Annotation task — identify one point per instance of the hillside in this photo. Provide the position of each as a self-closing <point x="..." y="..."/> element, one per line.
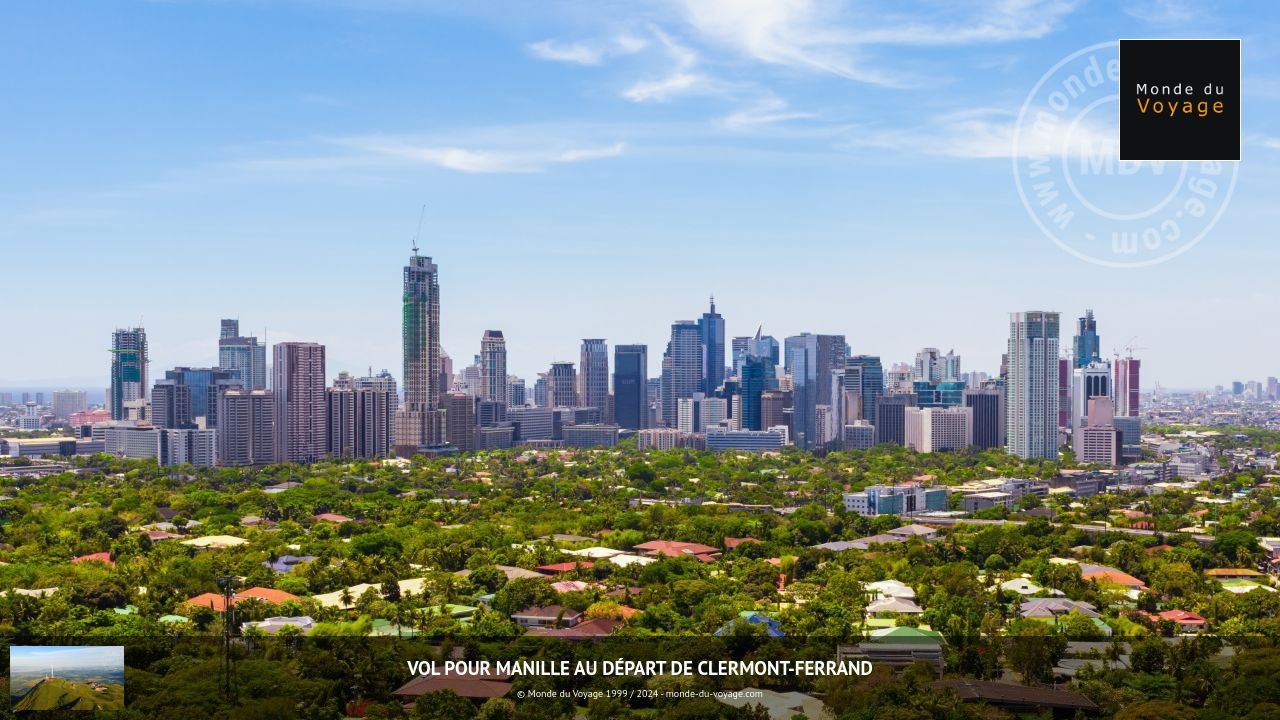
<point x="60" y="694"/>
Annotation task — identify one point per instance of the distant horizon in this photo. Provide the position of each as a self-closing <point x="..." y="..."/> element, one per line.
<point x="64" y="657"/>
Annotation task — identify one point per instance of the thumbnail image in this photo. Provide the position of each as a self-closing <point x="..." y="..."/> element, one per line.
<point x="59" y="677"/>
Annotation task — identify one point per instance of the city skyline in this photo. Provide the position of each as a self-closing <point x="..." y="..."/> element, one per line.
<point x="655" y="150"/>
<point x="332" y="370"/>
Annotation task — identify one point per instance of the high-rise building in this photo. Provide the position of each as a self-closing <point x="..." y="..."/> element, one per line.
<point x="753" y="382"/>
<point x="949" y="366"/>
<point x="340" y="418"/>
<point x="869" y="377"/>
<point x="243" y="355"/>
<point x="171" y="405"/>
<point x="1086" y="347"/>
<point x="711" y="338"/>
<point x="928" y="368"/>
<point x="1128" y="386"/>
<point x="187" y="446"/>
<point x="298" y="379"/>
<point x="562" y="382"/>
<point x="593" y="375"/>
<point x="1087" y="382"/>
<point x="988" y="406"/>
<point x="1096" y="440"/>
<point x="1032" y="386"/>
<point x="460" y="421"/>
<point x="630" y="386"/>
<point x="128" y="369"/>
<point x="417" y="423"/>
<point x="68" y="402"/>
<point x="938" y="429"/>
<point x="891" y="418"/>
<point x="516" y="392"/>
<point x="361" y="415"/>
<point x="493" y="367"/>
<point x="246" y="427"/>
<point x="202" y="382"/>
<point x="739" y="348"/>
<point x="1065" y="367"/>
<point x="774" y="407"/>
<point x="811" y="359"/>
<point x="681" y="368"/>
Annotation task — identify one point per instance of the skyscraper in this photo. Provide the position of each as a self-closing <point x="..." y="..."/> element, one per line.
<point x="1128" y="386"/>
<point x="871" y="376"/>
<point x="753" y="381"/>
<point x="171" y="405"/>
<point x="562" y="382"/>
<point x="68" y="402"/>
<point x="128" y="369"/>
<point x="242" y="355"/>
<point x="300" y="409"/>
<point x="711" y="338"/>
<point x="1086" y="347"/>
<point x="988" y="406"/>
<point x="891" y="418"/>
<point x="811" y="359"/>
<point x="245" y="434"/>
<point x="460" y="421"/>
<point x="340" y="418"/>
<point x="203" y="383"/>
<point x="1032" y="386"/>
<point x="681" y="368"/>
<point x="928" y="368"/>
<point x="417" y="423"/>
<point x="493" y="367"/>
<point x="630" y="386"/>
<point x="593" y="374"/>
<point x="1087" y="382"/>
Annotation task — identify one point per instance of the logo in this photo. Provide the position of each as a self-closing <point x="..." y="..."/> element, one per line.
<point x="1097" y="207"/>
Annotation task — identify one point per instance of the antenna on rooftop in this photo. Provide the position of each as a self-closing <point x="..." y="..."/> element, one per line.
<point x="418" y="234"/>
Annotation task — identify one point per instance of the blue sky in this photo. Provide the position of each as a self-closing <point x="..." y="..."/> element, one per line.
<point x="63" y="657"/>
<point x="589" y="170"/>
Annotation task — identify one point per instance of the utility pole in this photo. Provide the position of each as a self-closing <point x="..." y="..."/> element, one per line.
<point x="227" y="584"/>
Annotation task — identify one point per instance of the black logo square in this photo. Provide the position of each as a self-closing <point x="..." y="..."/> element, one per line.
<point x="1179" y="99"/>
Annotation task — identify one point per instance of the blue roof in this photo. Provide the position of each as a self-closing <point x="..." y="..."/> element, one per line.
<point x="772" y="628"/>
<point x="285" y="563"/>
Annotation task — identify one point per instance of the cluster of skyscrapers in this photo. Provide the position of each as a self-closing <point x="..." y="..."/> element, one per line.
<point x="752" y="392"/>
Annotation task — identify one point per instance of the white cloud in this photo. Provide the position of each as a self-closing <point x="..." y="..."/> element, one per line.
<point x="989" y="133"/>
<point x="682" y="79"/>
<point x="829" y="37"/>
<point x="767" y="111"/>
<point x="470" y="160"/>
<point x="1162" y="12"/>
<point x="587" y="53"/>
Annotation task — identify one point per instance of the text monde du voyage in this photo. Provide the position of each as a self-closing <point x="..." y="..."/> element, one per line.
<point x="1180" y="99"/>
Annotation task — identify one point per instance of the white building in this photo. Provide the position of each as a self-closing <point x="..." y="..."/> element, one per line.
<point x="937" y="429"/>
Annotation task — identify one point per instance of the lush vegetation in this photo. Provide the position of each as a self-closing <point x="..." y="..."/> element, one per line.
<point x="432" y="518"/>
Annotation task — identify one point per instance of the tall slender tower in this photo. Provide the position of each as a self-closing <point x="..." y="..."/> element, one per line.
<point x="418" y="421"/>
<point x="493" y="367"/>
<point x="630" y="386"/>
<point x="1085" y="348"/>
<point x="711" y="338"/>
<point x="301" y="413"/>
<point x="128" y="369"/>
<point x="681" y="368"/>
<point x="593" y="376"/>
<point x="1032" y="385"/>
